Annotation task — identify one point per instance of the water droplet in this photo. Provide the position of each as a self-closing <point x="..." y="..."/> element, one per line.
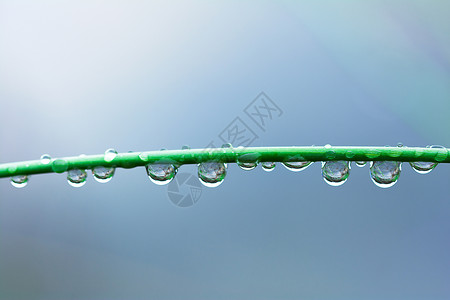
<point x="60" y="165"/>
<point x="103" y="174"/>
<point x="442" y="154"/>
<point x="76" y="177"/>
<point x="361" y="163"/>
<point x="46" y="159"/>
<point x="296" y="166"/>
<point x="335" y="173"/>
<point x="330" y="154"/>
<point x="268" y="166"/>
<point x="161" y="173"/>
<point x="385" y="173"/>
<point x="423" y="167"/>
<point x="373" y="153"/>
<point x="248" y="161"/>
<point x="143" y="156"/>
<point x="185" y="147"/>
<point x="19" y="181"/>
<point x="12" y="169"/>
<point x="227" y="145"/>
<point x="350" y="154"/>
<point x="400" y="145"/>
<point x="247" y="166"/>
<point x="328" y="146"/>
<point x="110" y="154"/>
<point x="212" y="173"/>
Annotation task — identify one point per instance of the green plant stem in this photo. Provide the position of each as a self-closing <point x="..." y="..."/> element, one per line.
<point x="229" y="155"/>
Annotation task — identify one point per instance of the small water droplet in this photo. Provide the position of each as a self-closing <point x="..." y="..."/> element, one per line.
<point x="373" y="153"/>
<point x="296" y="166"/>
<point x="361" y="163"/>
<point x="327" y="146"/>
<point x="76" y="177"/>
<point x="19" y="181"/>
<point x="185" y="147"/>
<point x="385" y="173"/>
<point x="60" y="165"/>
<point x="268" y="166"/>
<point x="400" y="145"/>
<point x="103" y="174"/>
<point x="335" y="173"/>
<point x="143" y="156"/>
<point x="212" y="173"/>
<point x="46" y="159"/>
<point x="110" y="154"/>
<point x="12" y="169"/>
<point x="330" y="154"/>
<point x="350" y="154"/>
<point x="227" y="145"/>
<point x="161" y="173"/>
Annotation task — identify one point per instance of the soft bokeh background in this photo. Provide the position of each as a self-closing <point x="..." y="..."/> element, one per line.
<point x="82" y="76"/>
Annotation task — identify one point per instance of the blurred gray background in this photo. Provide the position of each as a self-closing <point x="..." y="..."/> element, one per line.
<point x="82" y="76"/>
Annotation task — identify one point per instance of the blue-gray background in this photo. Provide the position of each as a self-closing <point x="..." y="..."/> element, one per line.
<point x="84" y="76"/>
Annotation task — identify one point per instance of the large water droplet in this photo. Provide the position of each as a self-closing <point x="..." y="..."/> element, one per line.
<point x="335" y="173"/>
<point x="76" y="177"/>
<point x="212" y="174"/>
<point x="161" y="173"/>
<point x="385" y="173"/>
<point x="103" y="174"/>
<point x="268" y="166"/>
<point x="296" y="166"/>
<point x="110" y="154"/>
<point x="46" y="159"/>
<point x="19" y="181"/>
<point x="361" y="163"/>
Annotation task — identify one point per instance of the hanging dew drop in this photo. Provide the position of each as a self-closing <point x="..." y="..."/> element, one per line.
<point x="20" y="181"/>
<point x="296" y="166"/>
<point x="110" y="154"/>
<point x="335" y="173"/>
<point x="268" y="166"/>
<point x="212" y="173"/>
<point x="76" y="177"/>
<point x="103" y="174"/>
<point x="385" y="173"/>
<point x="46" y="159"/>
<point x="423" y="167"/>
<point x="247" y="166"/>
<point x="248" y="161"/>
<point x="361" y="163"/>
<point x="161" y="173"/>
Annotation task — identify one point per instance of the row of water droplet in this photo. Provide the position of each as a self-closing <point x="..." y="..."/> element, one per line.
<point x="212" y="173"/>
